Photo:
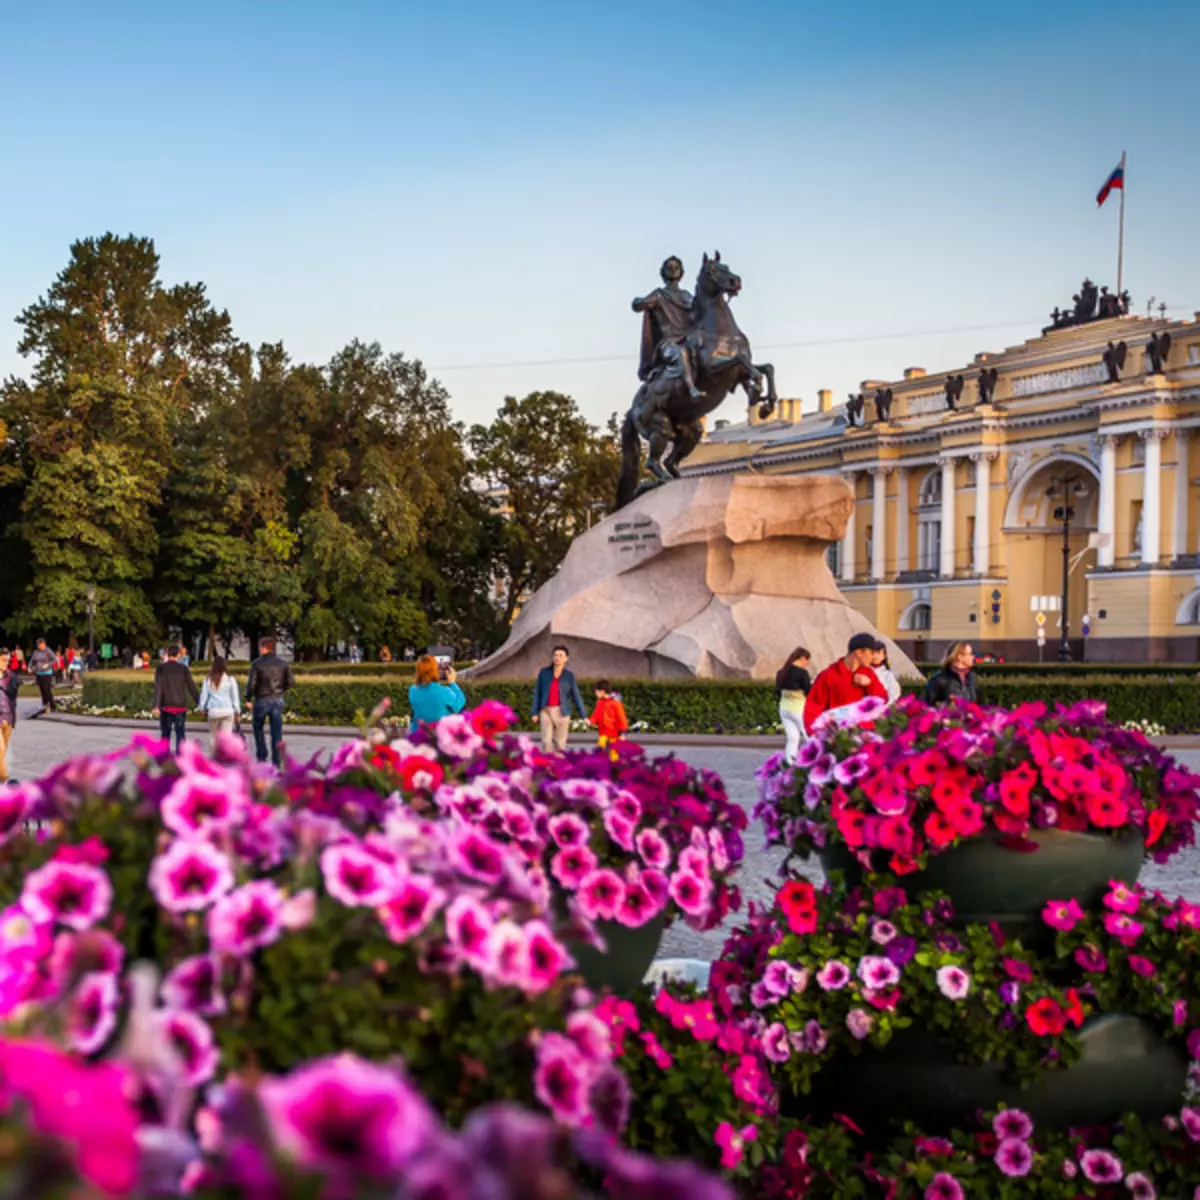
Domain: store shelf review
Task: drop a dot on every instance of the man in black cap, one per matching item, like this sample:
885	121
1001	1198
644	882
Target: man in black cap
846	681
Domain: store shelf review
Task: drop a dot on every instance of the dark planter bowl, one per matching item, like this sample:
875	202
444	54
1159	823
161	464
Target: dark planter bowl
1125	1067
987	881
623	965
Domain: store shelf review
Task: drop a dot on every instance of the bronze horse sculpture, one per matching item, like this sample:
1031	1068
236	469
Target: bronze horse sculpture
668	412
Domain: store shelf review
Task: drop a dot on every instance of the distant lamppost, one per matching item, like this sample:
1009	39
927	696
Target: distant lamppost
1068	487
91	607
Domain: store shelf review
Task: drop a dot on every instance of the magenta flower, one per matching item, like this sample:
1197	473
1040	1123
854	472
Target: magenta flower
1063	915
859	1022
456	737
944	1186
732	1143
1179	1012
1142	966
92	1012
192	1040
507	954
355	878
1123	927
23	939
878	972
883	932
73	894
348	1117
1101	1166
247	919
468	924
1193	1043
567	829
691	893
545	958
14	805
1140	1186
77	953
630	807
777	978
195	986
813	1038
591	1035
477	856
953	982
199	802
570	866
653	848
619	829
1121	898
1189	1118
1012	1123
600	894
411	907
1091	960
561	1078
190	875
637	907
1013	1157
776	1043
833	976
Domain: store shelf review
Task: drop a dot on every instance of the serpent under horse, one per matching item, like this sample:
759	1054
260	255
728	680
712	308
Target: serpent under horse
665	414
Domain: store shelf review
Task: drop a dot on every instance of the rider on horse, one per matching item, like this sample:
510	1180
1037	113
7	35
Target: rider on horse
667	324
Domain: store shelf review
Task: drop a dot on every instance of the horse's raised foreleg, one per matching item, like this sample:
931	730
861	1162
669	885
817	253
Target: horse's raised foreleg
768	372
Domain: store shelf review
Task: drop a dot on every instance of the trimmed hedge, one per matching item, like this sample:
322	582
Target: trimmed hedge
1073	670
701	706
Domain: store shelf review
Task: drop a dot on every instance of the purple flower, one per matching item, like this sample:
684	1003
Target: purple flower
1140	1187
809	753
195	985
468	924
901	950
189	876
247	919
1091	960
356	878
833	976
653	848
608	1100
92	1012
1009	992
1189	1118
1014	1157
878	972
859	1022
775	1042
777	978
761	995
192	1040
477	856
544	958
815	1039
1012	1123
561	1077
1101	1166
944	1187
347	1117
199	802
851	769
411	907
953	982
73	894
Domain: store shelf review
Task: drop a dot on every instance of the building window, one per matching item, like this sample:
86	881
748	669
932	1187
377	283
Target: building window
1135	547
929	544
833	557
870	542
916	618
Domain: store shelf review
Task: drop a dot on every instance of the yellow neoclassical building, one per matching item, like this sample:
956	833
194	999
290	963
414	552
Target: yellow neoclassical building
963	478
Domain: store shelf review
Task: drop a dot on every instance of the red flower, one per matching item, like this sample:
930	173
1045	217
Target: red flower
798	899
1074	1009
1012	823
939	830
1015	787
852	825
492	718
1106	810
1157	822
1045	1017
986	1142
417	770
384	758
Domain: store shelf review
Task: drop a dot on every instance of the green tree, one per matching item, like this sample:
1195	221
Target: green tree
552	473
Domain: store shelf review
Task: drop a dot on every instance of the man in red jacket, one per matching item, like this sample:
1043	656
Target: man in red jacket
846	681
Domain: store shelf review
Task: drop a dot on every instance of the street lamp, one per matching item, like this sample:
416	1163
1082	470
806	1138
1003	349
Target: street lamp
1069	486
91	607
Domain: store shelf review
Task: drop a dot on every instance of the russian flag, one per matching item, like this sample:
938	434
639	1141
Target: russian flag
1115	180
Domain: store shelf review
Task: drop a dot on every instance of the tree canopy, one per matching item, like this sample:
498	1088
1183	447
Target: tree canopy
198	484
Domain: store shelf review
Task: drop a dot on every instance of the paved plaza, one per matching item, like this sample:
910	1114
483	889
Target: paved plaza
38	745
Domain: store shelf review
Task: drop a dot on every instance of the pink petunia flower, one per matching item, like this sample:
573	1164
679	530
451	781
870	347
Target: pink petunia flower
637	907
1189	1118
619	829
1123	927
545	958
468	925
732	1143
878	972
456	737
1063	915
653	848
198	803
600	894
1012	1123
561	1078
1121	898
408	911
195	986
247	919
1013	1157
356	878
944	1186
1140	1186
571	865
1101	1166
348	1117
833	976
190	875
859	1022
92	1012
568	829
691	893
1142	966
73	894
591	1035
477	856
953	982
776	1043
193	1041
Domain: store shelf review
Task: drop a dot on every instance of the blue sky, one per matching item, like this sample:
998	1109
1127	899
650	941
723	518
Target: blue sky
485	185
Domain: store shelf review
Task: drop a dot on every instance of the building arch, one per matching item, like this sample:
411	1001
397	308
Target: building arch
917	617
1026	508
1189	609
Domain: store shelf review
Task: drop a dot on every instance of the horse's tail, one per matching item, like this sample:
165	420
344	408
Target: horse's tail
631	461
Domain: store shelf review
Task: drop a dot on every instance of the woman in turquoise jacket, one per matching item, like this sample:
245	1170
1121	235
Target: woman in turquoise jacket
429	698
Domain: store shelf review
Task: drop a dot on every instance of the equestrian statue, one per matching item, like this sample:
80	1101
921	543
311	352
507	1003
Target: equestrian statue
693	356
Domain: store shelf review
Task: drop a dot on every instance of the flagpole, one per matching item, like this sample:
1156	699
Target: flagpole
1121	228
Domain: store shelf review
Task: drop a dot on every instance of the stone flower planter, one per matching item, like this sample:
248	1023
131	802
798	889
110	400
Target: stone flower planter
1125	1067
988	881
624	964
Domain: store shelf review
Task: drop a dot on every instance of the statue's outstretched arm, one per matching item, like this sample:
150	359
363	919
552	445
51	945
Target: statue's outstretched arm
641	303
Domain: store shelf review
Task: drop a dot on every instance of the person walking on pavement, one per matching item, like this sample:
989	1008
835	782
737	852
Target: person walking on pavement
174	693
957	679
219	700
555	699
845	682
10	685
41	663
792	685
270	679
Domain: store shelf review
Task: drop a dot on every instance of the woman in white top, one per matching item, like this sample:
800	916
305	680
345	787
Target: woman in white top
219	700
883	672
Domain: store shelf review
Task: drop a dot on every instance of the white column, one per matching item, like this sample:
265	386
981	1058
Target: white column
982	549
1107	554
879	523
1152	496
947	564
903	516
851	534
1179	528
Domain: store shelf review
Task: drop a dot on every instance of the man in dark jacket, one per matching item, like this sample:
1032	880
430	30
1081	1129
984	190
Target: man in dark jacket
956	680
555	697
174	693
270	678
41	663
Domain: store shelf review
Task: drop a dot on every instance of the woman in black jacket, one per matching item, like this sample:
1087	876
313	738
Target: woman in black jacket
956	680
792	685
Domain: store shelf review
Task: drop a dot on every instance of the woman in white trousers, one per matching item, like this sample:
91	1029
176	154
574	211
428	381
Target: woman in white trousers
792	684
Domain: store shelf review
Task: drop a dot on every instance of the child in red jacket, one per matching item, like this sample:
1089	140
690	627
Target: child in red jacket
609	715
